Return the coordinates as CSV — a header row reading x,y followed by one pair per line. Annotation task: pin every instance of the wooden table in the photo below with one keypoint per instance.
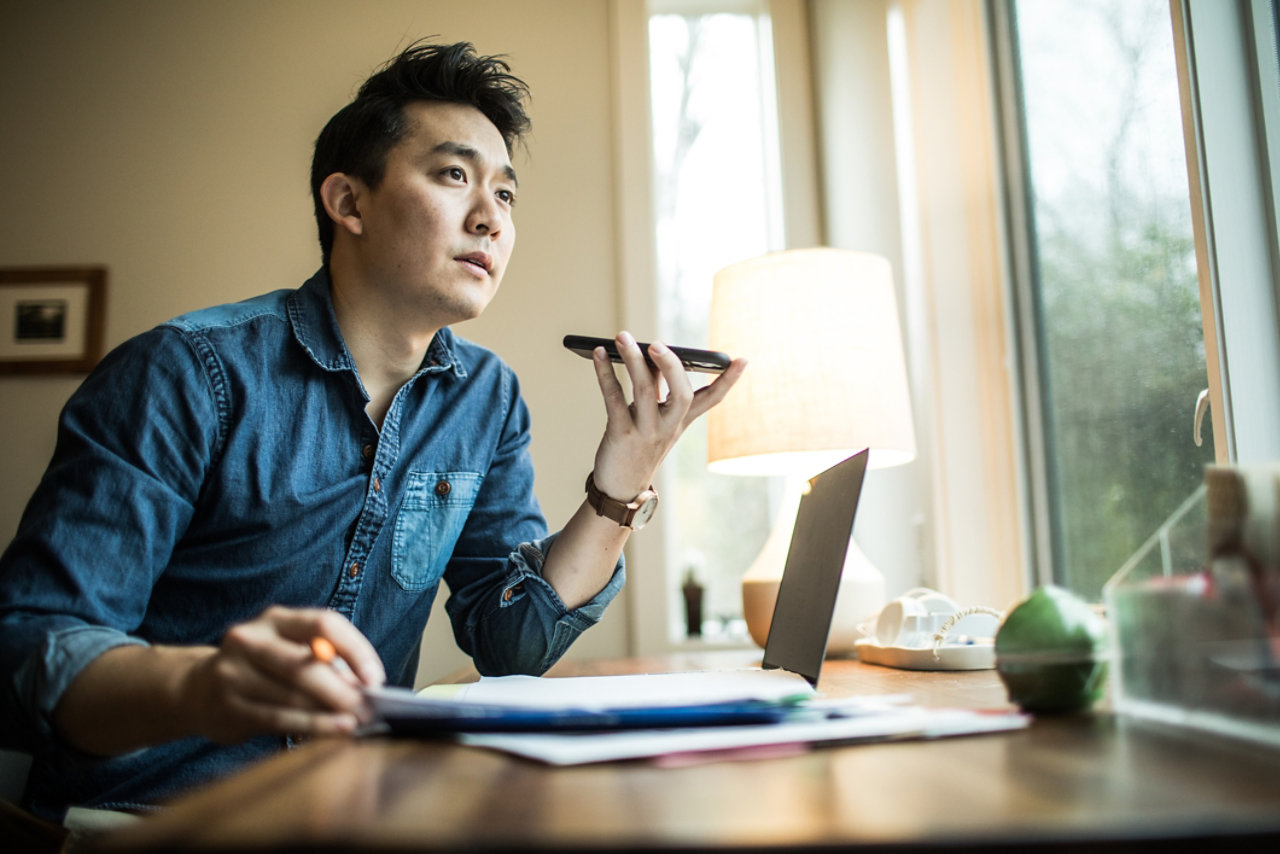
x,y
1063,784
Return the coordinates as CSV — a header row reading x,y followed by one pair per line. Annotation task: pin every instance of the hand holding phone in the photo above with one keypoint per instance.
x,y
702,361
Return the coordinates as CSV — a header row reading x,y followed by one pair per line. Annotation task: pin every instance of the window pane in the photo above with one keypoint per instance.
x,y
1121,347
714,206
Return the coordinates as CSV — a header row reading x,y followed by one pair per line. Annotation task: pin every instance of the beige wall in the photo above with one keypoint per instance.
x,y
171,141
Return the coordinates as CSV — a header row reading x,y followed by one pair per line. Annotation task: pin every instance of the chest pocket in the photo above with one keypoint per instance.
x,y
434,509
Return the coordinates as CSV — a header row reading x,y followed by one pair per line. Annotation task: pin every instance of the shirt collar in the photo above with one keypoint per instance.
x,y
316,327
442,357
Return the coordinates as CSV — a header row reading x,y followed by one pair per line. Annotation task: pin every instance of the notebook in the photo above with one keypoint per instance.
x,y
792,661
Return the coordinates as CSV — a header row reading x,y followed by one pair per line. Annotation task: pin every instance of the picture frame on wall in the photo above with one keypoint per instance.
x,y
51,319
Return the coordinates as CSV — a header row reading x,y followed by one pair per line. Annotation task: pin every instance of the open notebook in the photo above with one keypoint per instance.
x,y
792,659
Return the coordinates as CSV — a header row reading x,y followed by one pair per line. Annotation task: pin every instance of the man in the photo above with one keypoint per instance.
x,y
310,464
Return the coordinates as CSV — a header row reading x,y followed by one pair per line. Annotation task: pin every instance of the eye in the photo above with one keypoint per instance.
x,y
455,173
507,196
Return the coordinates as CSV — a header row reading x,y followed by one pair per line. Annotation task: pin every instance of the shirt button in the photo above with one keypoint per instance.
x,y
443,488
367,452
508,594
354,570
377,485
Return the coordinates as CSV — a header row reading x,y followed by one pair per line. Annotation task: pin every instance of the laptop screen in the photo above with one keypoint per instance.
x,y
811,577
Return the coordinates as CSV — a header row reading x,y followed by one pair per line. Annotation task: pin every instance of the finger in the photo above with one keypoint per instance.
x,y
262,717
302,625
679,390
235,701
615,399
644,395
328,688
353,648
317,689
238,677
324,652
262,665
711,394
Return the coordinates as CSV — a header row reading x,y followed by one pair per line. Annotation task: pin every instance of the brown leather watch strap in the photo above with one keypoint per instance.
x,y
633,514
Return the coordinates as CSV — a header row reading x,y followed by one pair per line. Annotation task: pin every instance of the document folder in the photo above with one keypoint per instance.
x,y
405,713
593,703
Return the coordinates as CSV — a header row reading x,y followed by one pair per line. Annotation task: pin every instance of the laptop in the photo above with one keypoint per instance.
x,y
797,644
811,576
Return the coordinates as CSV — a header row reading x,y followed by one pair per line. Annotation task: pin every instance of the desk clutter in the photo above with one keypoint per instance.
x,y
1195,613
926,630
587,719
1192,638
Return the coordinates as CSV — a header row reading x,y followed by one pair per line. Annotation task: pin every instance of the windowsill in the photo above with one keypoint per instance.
x,y
705,644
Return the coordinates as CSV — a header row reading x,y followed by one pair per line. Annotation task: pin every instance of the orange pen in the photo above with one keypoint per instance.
x,y
322,648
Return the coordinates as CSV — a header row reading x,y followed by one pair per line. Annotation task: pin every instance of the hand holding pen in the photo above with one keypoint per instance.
x,y
291,671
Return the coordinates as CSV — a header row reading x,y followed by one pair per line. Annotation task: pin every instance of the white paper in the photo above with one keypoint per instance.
x,y
645,690
877,725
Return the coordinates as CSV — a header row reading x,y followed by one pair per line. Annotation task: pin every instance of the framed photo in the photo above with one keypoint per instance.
x,y
51,319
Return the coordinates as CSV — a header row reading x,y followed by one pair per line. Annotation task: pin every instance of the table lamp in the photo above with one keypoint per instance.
x,y
826,378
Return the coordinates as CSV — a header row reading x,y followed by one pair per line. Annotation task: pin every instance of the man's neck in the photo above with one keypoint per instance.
x,y
387,350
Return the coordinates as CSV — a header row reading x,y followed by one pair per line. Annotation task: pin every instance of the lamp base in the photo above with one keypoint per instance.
x,y
760,583
860,598
759,595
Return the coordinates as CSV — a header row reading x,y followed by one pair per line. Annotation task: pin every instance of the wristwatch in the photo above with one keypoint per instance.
x,y
633,514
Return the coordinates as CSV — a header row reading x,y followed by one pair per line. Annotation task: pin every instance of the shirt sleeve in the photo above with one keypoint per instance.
x,y
505,615
134,442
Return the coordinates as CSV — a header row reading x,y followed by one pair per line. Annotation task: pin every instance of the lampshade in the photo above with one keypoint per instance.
x,y
825,379
826,376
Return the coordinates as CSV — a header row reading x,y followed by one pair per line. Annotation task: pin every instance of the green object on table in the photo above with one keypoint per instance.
x,y
1051,652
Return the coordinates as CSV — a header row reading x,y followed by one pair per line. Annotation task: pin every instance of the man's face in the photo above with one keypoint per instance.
x,y
437,232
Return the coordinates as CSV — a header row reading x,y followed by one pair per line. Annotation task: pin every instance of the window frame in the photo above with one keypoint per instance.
x,y
647,596
1231,122
958,312
1023,300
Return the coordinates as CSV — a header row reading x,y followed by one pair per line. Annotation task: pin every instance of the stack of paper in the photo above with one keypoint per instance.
x,y
534,704
567,721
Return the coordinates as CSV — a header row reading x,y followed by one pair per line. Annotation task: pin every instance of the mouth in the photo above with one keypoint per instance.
x,y
478,261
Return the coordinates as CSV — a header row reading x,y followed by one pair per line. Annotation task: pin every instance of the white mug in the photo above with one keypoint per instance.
x,y
912,619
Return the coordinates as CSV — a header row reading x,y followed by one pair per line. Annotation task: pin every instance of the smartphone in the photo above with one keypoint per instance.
x,y
702,361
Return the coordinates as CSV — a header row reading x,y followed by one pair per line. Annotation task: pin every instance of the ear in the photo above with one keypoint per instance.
x,y
340,195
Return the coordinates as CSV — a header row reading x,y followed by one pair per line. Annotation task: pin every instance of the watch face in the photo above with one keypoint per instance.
x,y
648,502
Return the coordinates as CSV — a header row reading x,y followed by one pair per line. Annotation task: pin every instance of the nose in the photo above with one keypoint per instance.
x,y
487,216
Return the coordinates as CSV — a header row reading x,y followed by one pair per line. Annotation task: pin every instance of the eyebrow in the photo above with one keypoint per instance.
x,y
467,152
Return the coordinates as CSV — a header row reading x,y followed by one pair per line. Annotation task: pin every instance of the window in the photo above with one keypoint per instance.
x,y
1110,300
716,201
1141,220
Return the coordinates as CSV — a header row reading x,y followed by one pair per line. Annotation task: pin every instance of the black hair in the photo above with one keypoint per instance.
x,y
356,140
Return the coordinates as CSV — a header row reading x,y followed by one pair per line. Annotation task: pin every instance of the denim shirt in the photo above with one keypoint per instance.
x,y
224,462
